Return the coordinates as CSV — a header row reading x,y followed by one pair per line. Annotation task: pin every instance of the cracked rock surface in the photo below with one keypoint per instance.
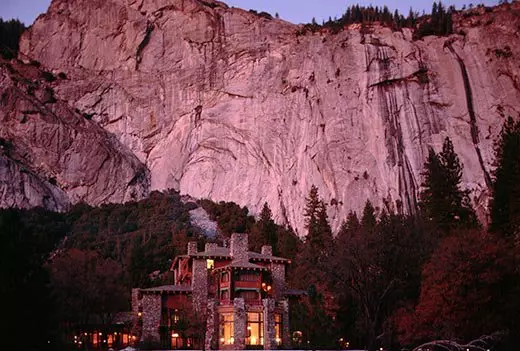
x,y
52,156
224,104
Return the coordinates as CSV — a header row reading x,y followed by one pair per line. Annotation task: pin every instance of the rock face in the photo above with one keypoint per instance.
x,y
224,104
51,156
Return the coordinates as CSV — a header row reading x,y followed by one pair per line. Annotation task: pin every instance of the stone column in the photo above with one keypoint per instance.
x,y
199,286
267,250
269,332
240,324
192,248
239,247
286,330
151,317
211,337
136,305
278,274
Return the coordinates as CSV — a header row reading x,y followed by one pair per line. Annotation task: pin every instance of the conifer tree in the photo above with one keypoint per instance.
x,y
505,205
369,220
319,233
264,232
442,201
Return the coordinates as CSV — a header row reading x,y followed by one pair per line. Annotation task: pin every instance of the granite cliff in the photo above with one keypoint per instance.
x,y
224,104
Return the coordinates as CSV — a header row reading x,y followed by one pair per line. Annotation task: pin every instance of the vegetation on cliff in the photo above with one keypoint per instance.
x,y
439,22
10,32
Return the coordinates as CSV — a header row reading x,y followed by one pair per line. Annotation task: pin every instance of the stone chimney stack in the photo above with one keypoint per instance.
x,y
267,250
210,247
192,247
239,247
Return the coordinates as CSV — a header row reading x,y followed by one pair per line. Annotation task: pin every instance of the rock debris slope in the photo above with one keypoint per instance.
x,y
224,104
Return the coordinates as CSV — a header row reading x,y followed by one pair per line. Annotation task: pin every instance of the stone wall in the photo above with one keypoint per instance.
x,y
151,317
267,250
240,324
211,337
210,247
192,248
199,285
278,274
286,333
239,247
136,307
269,332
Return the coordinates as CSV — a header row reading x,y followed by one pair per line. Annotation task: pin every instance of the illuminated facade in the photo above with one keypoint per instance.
x,y
221,298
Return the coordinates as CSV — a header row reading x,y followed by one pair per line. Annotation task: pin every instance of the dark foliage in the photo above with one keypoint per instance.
x,y
505,205
26,239
442,200
439,23
230,217
141,236
10,32
365,15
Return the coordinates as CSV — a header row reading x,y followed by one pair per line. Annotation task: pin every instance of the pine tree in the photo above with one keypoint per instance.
x,y
442,201
319,233
369,220
505,206
264,232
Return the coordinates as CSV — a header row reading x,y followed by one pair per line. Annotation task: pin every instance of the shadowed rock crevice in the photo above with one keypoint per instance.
x,y
471,112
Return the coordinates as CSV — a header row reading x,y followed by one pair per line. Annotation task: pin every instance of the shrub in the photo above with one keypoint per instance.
x,y
48,76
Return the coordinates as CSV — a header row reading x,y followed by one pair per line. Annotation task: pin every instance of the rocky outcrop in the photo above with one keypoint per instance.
x,y
225,104
52,156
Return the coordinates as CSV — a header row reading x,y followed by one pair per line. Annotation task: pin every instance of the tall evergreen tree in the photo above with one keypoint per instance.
x,y
442,201
369,220
505,206
319,234
264,231
311,273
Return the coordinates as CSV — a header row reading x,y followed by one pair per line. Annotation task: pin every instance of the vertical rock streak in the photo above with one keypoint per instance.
x,y
390,114
471,112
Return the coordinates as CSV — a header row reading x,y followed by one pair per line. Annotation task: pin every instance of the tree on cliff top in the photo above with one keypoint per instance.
x,y
10,32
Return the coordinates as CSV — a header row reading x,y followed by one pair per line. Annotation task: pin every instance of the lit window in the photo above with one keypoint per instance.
x,y
255,329
210,264
226,334
278,328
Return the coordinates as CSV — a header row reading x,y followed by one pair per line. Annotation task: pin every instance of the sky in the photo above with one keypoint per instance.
x,y
296,11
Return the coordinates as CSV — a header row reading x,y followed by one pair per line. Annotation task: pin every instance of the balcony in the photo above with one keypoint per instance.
x,y
247,284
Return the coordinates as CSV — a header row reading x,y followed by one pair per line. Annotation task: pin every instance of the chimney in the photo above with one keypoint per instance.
x,y
192,247
239,247
267,250
210,247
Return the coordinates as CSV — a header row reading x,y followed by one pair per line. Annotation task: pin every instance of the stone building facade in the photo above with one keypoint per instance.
x,y
221,298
